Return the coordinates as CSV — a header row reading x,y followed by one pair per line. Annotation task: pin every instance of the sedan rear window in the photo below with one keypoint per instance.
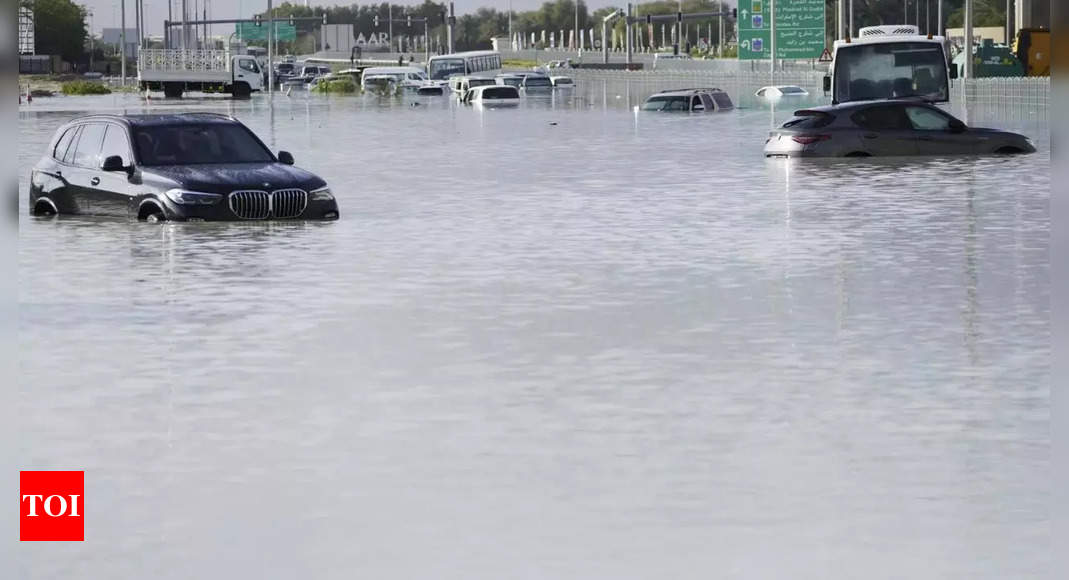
x,y
500,93
197,144
809,120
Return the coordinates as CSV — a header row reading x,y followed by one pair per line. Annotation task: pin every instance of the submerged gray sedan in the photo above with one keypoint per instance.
x,y
886,127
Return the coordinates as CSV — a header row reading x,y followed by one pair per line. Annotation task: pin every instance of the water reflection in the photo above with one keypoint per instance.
x,y
565,320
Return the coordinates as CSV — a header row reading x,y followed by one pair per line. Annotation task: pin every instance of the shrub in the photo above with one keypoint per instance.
x,y
336,86
85,88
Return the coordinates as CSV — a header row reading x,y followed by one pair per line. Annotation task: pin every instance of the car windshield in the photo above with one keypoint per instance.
x,y
198,144
285,67
480,82
891,70
677,103
444,68
538,82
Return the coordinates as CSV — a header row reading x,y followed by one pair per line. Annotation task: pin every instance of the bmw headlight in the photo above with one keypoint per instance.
x,y
322,194
183,197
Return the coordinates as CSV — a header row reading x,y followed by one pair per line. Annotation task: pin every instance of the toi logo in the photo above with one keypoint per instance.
x,y
51,506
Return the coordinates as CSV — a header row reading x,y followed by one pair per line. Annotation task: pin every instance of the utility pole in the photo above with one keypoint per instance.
x,y
389,15
720,32
968,39
270,48
772,38
939,17
840,19
449,28
851,35
122,39
185,27
679,28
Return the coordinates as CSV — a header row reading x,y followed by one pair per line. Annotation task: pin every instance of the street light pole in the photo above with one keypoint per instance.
x,y
122,39
270,48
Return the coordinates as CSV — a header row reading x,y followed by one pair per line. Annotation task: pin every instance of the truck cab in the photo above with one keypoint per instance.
x,y
890,62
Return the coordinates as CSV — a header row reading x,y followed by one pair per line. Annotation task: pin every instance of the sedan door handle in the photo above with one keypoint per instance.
x,y
94,181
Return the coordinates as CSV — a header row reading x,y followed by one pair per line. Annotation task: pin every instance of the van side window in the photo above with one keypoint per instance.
x,y
63,143
87,153
116,143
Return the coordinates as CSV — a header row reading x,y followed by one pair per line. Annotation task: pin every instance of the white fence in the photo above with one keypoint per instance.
x,y
1015,97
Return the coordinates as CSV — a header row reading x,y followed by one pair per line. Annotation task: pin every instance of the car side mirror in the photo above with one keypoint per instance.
x,y
827,84
115,163
957,126
953,71
285,157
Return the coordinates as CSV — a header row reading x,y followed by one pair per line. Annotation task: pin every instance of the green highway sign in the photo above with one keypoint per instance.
x,y
284,31
799,29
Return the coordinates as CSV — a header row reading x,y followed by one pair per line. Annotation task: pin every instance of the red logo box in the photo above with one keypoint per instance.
x,y
52,506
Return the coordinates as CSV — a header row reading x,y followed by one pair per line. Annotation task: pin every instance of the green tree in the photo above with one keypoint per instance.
x,y
59,28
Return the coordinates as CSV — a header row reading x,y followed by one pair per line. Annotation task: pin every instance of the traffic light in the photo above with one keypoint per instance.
x,y
410,21
291,20
324,19
376,21
258,19
649,19
735,13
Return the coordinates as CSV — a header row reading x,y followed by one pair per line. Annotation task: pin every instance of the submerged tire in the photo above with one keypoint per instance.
x,y
173,90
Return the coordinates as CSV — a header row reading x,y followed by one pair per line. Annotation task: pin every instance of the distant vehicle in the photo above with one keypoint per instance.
x,y
93,75
883,128
380,84
460,84
536,83
310,72
511,79
890,62
175,71
663,56
182,167
492,95
562,82
703,100
781,91
484,62
431,89
407,77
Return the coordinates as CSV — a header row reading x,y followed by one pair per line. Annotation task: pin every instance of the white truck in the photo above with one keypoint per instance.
x,y
174,71
890,62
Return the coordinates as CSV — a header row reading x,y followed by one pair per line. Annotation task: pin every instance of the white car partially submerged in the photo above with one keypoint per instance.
x,y
494,95
773,92
562,82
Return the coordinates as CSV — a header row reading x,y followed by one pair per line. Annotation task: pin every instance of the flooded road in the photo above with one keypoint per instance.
x,y
562,341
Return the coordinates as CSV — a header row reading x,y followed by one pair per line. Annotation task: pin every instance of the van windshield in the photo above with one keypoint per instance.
x,y
198,144
891,70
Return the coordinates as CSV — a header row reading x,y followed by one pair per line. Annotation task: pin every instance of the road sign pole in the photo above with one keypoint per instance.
x,y
772,39
270,48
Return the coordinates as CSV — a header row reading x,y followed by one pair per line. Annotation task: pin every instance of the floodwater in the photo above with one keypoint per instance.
x,y
559,341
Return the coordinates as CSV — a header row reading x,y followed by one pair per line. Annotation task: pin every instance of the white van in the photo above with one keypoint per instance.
x,y
407,77
461,84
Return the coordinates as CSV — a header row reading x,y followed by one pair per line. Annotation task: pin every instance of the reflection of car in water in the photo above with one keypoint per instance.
x,y
781,91
880,128
705,100
191,166
492,95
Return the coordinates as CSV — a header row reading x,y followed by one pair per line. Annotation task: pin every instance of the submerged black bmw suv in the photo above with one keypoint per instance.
x,y
185,167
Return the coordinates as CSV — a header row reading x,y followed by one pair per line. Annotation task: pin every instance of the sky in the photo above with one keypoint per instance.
x,y
106,13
